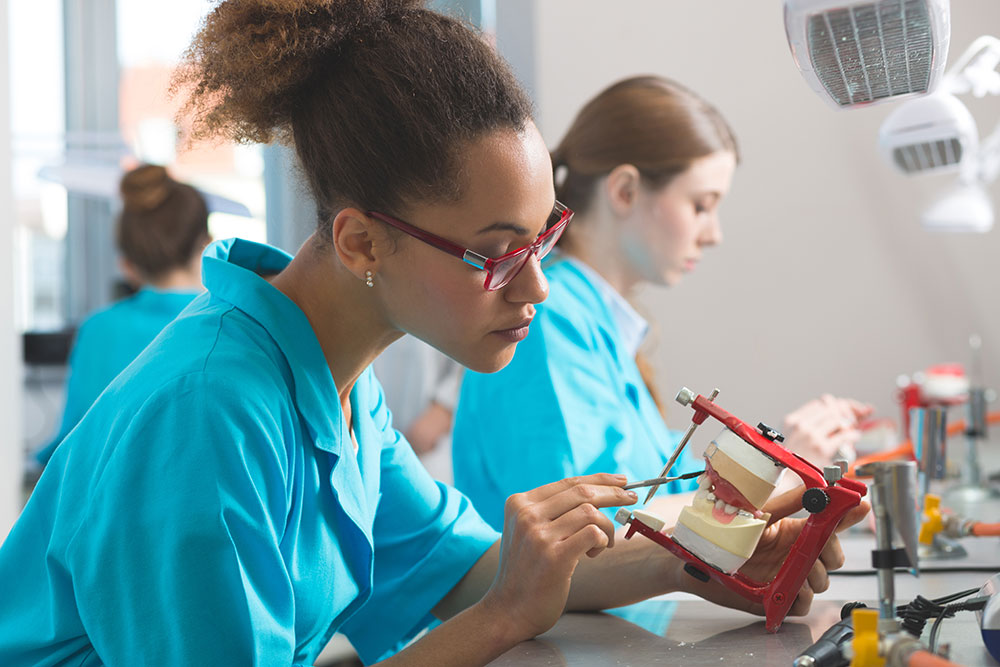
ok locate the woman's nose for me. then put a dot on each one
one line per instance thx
(529, 285)
(712, 233)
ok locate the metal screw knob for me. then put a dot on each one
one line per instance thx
(685, 396)
(832, 473)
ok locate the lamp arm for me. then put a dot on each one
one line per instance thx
(976, 69)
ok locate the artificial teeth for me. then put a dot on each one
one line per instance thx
(719, 505)
(731, 509)
(711, 496)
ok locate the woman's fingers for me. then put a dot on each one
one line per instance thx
(784, 504)
(832, 556)
(818, 579)
(543, 492)
(580, 517)
(854, 515)
(803, 601)
(589, 540)
(576, 495)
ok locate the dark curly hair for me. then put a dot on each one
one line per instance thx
(377, 96)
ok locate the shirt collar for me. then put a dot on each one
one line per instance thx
(233, 271)
(632, 327)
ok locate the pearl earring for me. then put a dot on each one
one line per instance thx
(368, 279)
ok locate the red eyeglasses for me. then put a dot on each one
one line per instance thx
(499, 270)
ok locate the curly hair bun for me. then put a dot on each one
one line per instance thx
(251, 55)
(145, 188)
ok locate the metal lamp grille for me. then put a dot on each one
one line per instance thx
(928, 155)
(872, 51)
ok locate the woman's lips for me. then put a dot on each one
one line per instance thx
(516, 333)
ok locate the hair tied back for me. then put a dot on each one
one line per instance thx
(145, 188)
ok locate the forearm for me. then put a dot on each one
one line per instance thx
(631, 571)
(472, 587)
(475, 636)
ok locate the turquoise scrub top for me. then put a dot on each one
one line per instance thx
(106, 342)
(210, 508)
(571, 402)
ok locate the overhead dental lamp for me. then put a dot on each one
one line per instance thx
(929, 134)
(860, 52)
(937, 134)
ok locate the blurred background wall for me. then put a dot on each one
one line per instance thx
(826, 281)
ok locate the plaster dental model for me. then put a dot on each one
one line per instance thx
(724, 522)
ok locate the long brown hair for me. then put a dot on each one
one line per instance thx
(377, 96)
(163, 224)
(655, 124)
(650, 122)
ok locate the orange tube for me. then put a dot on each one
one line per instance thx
(905, 450)
(928, 659)
(980, 529)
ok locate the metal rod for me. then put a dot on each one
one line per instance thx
(677, 452)
(883, 540)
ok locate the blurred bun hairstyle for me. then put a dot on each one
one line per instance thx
(376, 96)
(163, 224)
(655, 124)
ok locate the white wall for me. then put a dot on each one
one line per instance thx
(11, 456)
(825, 281)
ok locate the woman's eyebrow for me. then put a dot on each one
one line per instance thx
(504, 227)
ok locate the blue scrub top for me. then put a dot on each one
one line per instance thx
(210, 508)
(106, 342)
(571, 402)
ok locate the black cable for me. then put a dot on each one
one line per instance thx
(971, 604)
(932, 641)
(915, 614)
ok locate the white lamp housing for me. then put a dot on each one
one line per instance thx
(964, 208)
(860, 52)
(930, 134)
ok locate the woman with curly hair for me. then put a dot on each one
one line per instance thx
(239, 494)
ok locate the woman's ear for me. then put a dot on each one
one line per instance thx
(622, 188)
(358, 240)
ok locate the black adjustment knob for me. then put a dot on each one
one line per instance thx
(695, 572)
(772, 434)
(815, 500)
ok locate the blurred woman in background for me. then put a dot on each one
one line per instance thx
(161, 231)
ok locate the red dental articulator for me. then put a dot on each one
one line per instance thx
(734, 476)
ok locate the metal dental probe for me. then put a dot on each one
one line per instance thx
(662, 480)
(684, 441)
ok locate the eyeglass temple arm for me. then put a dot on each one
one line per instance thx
(436, 241)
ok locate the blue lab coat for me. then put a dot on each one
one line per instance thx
(571, 402)
(106, 343)
(210, 508)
